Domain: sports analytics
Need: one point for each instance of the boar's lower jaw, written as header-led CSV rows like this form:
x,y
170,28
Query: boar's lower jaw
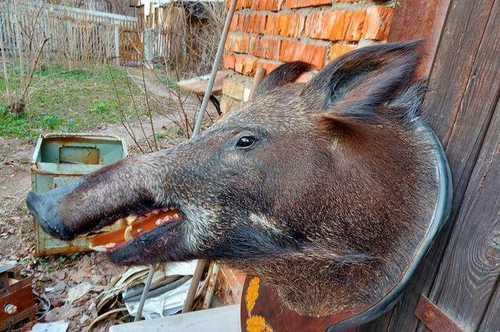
x,y
133,227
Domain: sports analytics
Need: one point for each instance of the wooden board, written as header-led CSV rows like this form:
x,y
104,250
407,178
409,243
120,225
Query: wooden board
x,y
491,318
468,275
262,310
471,256
463,94
225,319
198,85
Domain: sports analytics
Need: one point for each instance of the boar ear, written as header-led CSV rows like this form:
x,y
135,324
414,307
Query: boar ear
x,y
351,89
284,74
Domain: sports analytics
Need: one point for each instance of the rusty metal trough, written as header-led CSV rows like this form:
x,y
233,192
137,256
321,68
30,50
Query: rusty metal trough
x,y
60,159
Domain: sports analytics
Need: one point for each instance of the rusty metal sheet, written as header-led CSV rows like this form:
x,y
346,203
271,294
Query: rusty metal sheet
x,y
434,318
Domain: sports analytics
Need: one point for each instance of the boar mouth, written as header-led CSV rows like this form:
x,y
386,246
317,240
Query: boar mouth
x,y
103,235
134,227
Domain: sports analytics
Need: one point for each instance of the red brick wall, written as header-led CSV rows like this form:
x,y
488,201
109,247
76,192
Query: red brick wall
x,y
269,32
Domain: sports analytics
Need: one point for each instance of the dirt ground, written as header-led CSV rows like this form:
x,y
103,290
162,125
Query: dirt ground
x,y
56,278
53,277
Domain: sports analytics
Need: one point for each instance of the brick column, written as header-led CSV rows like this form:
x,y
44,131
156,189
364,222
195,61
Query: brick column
x,y
268,33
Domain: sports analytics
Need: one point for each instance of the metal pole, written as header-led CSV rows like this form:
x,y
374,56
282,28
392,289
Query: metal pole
x,y
117,45
200,267
138,314
218,58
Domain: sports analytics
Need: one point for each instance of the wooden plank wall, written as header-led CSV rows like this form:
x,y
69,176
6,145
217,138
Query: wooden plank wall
x,y
461,273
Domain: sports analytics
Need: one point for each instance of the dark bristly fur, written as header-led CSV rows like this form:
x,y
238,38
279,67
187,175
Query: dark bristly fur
x,y
284,74
328,205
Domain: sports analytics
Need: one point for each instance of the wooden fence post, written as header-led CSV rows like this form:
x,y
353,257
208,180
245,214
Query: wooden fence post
x,y
117,45
148,47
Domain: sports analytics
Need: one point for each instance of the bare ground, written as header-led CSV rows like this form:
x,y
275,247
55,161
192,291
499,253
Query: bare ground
x,y
55,276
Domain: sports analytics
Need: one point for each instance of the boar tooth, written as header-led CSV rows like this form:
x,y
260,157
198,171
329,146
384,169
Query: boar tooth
x,y
127,235
99,248
130,219
119,222
103,248
162,221
153,213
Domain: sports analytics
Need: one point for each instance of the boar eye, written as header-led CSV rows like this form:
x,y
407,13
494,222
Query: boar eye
x,y
245,142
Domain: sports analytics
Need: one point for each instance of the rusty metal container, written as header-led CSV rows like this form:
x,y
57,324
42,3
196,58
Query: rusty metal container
x,y
60,159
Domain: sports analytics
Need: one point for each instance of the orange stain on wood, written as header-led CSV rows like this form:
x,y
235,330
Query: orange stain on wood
x,y
252,294
258,324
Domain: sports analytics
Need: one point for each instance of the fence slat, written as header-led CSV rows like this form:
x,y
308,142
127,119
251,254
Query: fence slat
x,y
75,35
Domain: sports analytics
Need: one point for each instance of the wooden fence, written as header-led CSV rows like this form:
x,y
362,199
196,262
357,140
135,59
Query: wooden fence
x,y
73,35
182,35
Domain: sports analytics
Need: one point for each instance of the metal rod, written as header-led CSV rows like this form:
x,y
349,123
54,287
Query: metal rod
x,y
144,294
200,267
218,58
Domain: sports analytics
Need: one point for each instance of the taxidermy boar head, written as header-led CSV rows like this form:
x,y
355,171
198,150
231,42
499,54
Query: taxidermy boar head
x,y
323,189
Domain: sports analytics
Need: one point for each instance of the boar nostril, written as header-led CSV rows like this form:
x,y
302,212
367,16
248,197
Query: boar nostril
x,y
44,207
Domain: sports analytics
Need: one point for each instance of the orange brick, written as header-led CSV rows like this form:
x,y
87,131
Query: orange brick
x,y
254,23
377,23
234,281
335,24
354,31
234,22
238,42
240,4
330,25
305,3
291,25
266,47
313,25
272,5
229,61
312,53
245,64
272,25
339,49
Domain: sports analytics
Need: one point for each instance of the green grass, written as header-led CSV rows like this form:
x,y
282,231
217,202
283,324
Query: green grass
x,y
66,100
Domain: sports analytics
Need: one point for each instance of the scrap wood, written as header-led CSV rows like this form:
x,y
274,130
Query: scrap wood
x,y
127,288
213,273
104,316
